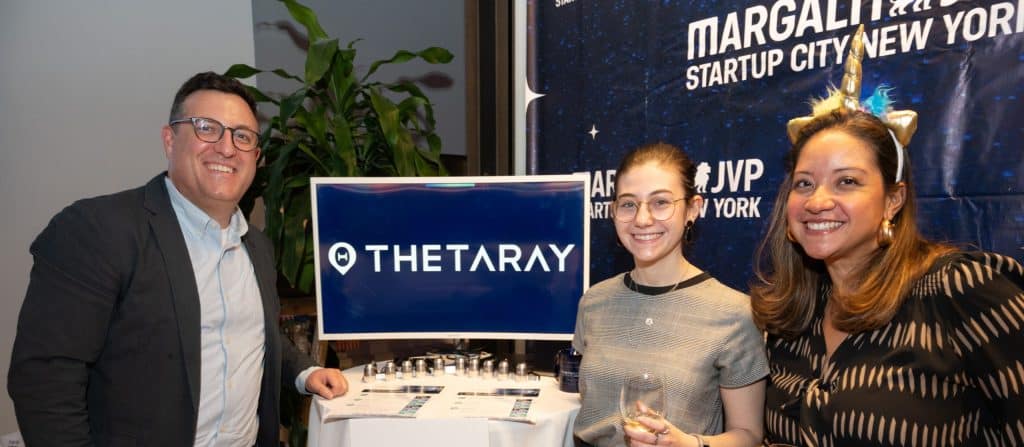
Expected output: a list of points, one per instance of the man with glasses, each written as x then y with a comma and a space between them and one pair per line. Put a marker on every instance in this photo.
151, 314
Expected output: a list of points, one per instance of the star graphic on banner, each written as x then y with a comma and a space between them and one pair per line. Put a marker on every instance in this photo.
593, 131
530, 95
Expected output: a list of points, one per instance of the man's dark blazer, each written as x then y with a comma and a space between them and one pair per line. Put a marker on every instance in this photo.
107, 351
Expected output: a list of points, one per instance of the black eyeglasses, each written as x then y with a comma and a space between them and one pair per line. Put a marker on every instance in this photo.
211, 131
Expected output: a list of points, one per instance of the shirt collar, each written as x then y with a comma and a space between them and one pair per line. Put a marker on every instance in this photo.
195, 222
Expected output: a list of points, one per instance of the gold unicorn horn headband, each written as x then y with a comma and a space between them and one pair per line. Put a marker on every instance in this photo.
901, 123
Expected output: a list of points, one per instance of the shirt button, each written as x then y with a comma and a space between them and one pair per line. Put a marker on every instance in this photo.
649, 321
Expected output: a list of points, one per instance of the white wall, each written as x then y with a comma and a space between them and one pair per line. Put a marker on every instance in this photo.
84, 88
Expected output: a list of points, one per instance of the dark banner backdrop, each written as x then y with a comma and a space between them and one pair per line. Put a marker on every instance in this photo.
721, 79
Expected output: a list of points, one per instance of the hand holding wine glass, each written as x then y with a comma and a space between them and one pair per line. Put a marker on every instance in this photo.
641, 403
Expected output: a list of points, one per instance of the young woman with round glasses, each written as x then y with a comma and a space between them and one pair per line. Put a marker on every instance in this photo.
669, 319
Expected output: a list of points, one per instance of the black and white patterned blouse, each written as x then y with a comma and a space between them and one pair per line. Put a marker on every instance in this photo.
948, 370
698, 336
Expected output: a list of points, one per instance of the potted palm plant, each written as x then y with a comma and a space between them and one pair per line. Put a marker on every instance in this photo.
337, 123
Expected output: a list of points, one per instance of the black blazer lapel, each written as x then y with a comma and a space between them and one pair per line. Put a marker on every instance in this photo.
266, 278
266, 281
262, 264
171, 243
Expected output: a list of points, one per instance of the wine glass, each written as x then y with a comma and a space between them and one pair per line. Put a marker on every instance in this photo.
641, 395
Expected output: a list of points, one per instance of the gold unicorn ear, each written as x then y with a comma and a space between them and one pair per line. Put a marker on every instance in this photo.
902, 123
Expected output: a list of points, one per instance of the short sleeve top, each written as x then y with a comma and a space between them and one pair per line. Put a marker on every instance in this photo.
698, 338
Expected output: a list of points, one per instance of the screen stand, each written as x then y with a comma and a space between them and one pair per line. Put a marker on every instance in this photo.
460, 347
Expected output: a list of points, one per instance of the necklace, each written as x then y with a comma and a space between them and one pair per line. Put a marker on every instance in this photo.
635, 286
647, 318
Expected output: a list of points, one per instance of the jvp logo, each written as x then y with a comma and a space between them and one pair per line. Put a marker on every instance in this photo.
342, 257
733, 176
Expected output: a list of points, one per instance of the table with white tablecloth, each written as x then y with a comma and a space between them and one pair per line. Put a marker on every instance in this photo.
447, 418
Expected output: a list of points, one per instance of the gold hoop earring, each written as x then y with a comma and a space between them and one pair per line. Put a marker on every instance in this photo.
886, 233
789, 236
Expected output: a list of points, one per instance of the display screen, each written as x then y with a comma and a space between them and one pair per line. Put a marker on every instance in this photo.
450, 257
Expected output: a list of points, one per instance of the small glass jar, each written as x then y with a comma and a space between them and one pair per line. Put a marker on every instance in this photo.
520, 375
389, 370
370, 373
487, 371
503, 369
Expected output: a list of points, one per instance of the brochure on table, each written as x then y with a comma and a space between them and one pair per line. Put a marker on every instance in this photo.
491, 401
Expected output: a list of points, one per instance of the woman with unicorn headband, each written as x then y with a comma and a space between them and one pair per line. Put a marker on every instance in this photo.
877, 336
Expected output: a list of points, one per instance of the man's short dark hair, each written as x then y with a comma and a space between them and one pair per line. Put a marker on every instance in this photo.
211, 81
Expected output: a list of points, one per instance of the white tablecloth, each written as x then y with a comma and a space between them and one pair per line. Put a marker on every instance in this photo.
551, 413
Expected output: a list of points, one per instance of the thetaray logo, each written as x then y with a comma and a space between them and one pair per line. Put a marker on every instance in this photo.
501, 257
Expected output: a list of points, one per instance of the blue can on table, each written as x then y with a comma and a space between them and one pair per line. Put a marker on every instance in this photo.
567, 370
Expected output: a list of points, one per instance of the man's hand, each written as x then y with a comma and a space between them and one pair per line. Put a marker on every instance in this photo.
327, 382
